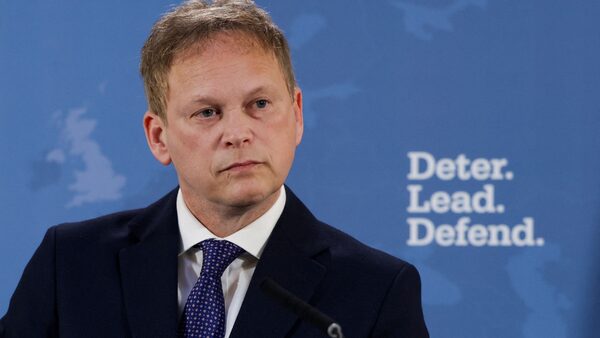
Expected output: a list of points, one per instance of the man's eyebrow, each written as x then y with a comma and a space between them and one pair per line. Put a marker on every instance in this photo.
203, 98
259, 89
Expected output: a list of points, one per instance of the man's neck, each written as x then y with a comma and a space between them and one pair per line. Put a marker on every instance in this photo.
223, 221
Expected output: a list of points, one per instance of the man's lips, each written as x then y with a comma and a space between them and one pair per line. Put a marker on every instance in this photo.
241, 165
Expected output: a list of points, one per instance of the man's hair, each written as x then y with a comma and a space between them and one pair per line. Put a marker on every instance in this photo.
194, 23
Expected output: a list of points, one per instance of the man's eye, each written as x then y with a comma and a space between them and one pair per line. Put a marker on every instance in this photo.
261, 103
206, 113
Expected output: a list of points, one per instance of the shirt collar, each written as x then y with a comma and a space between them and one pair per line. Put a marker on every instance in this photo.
252, 238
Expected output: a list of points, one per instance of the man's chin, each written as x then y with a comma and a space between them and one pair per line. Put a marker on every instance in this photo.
251, 196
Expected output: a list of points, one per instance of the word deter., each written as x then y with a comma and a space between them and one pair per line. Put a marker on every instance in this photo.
424, 166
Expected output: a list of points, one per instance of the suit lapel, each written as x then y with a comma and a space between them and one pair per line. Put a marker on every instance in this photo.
149, 270
290, 260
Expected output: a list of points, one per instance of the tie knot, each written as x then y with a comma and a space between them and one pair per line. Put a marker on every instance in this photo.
217, 255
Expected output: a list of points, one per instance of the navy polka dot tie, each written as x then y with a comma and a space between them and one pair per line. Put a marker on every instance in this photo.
204, 311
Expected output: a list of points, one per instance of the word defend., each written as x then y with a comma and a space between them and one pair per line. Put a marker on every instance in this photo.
464, 231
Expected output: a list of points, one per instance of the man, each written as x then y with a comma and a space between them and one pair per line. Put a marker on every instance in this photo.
225, 109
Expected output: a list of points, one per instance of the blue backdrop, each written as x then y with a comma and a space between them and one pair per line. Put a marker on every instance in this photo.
461, 135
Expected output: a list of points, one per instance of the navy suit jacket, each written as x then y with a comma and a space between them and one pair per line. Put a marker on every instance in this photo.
116, 276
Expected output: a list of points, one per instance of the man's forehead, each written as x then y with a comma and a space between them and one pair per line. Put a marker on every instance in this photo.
237, 42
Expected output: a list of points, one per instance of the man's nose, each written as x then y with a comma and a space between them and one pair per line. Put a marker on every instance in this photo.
237, 129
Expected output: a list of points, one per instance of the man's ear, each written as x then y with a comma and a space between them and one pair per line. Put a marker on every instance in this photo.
297, 105
156, 136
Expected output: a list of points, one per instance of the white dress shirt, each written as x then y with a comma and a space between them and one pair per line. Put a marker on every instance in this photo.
236, 278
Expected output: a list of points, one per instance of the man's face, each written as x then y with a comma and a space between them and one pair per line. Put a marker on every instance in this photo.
232, 126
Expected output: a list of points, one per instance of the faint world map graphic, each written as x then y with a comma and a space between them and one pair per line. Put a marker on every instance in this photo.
96, 181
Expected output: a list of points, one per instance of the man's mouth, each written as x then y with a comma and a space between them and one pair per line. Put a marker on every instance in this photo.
240, 166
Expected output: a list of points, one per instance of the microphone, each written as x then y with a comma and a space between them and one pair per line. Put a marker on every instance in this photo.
301, 308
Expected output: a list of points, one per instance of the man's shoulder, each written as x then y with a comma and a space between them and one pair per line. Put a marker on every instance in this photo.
346, 249
342, 249
100, 225
117, 226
